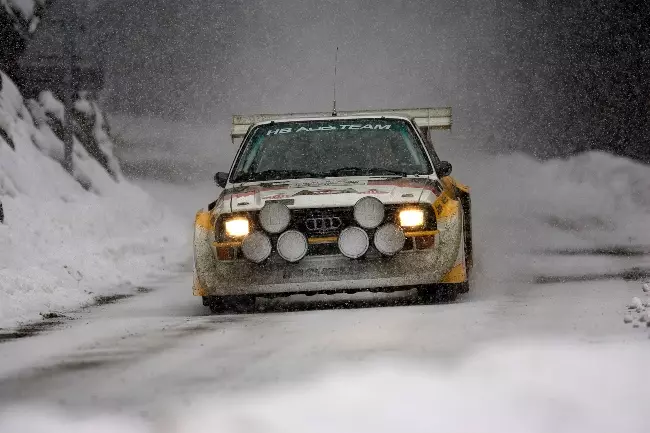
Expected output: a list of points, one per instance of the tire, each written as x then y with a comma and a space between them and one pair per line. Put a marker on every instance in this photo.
234, 303
439, 293
466, 203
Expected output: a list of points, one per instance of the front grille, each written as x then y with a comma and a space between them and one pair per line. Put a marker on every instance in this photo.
321, 222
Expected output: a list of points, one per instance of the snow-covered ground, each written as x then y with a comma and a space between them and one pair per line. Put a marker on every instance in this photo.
62, 245
506, 388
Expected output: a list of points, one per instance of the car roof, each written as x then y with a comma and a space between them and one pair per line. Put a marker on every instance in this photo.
325, 118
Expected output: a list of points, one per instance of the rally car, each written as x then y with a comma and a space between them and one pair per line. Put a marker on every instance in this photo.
331, 203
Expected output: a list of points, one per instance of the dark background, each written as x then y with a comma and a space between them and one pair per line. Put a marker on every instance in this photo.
549, 77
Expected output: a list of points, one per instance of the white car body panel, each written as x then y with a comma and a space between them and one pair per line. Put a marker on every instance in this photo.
333, 192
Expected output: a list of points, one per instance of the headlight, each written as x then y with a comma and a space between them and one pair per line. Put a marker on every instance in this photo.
237, 227
411, 218
292, 246
275, 217
389, 239
369, 212
256, 247
353, 242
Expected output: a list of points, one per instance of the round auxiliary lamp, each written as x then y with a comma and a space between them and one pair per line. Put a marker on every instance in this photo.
353, 242
256, 247
274, 217
389, 239
292, 245
369, 212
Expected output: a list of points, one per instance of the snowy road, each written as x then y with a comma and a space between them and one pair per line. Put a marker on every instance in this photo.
131, 354
533, 283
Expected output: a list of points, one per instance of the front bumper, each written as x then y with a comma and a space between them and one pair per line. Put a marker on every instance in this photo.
326, 273
330, 273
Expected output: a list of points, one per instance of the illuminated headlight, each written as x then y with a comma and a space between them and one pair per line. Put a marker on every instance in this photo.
411, 218
237, 227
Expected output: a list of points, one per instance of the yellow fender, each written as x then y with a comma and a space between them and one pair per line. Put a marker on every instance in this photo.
203, 228
445, 207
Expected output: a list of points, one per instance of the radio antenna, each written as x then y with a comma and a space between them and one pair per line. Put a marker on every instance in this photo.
336, 60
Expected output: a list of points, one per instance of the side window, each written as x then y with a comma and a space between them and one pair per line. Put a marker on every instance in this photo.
432, 152
256, 146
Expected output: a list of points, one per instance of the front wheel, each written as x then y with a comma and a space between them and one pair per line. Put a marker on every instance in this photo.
468, 246
440, 293
234, 303
466, 242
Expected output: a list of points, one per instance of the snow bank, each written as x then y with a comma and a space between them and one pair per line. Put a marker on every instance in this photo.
67, 239
599, 187
592, 199
594, 195
638, 313
509, 388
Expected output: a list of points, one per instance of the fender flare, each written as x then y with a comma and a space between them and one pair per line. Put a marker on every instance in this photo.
464, 195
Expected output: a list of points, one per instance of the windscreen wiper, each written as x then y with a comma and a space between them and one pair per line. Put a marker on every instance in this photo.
275, 175
359, 171
386, 171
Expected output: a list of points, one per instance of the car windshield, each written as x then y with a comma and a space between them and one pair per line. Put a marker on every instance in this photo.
331, 148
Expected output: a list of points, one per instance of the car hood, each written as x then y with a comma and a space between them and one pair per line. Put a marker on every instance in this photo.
315, 193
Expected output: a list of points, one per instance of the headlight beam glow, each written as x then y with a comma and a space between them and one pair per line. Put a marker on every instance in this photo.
411, 218
237, 227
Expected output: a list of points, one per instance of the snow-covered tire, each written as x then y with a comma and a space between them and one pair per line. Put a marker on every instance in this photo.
466, 242
237, 304
466, 204
439, 293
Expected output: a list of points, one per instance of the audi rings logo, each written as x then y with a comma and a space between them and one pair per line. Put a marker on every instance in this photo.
322, 224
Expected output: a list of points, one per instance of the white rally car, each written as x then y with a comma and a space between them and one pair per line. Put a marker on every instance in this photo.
322, 203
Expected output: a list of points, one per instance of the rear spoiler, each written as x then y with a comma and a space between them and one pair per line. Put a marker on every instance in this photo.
425, 118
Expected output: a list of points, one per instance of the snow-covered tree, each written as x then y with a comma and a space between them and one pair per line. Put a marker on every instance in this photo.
18, 22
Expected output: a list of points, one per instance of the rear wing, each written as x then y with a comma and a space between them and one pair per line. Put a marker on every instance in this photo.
425, 118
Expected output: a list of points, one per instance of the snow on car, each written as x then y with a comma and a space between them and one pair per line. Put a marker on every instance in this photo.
322, 203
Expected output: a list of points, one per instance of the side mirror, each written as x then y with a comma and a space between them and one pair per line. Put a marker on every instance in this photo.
221, 179
444, 169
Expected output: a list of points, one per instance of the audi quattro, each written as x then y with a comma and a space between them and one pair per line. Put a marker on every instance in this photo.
322, 203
